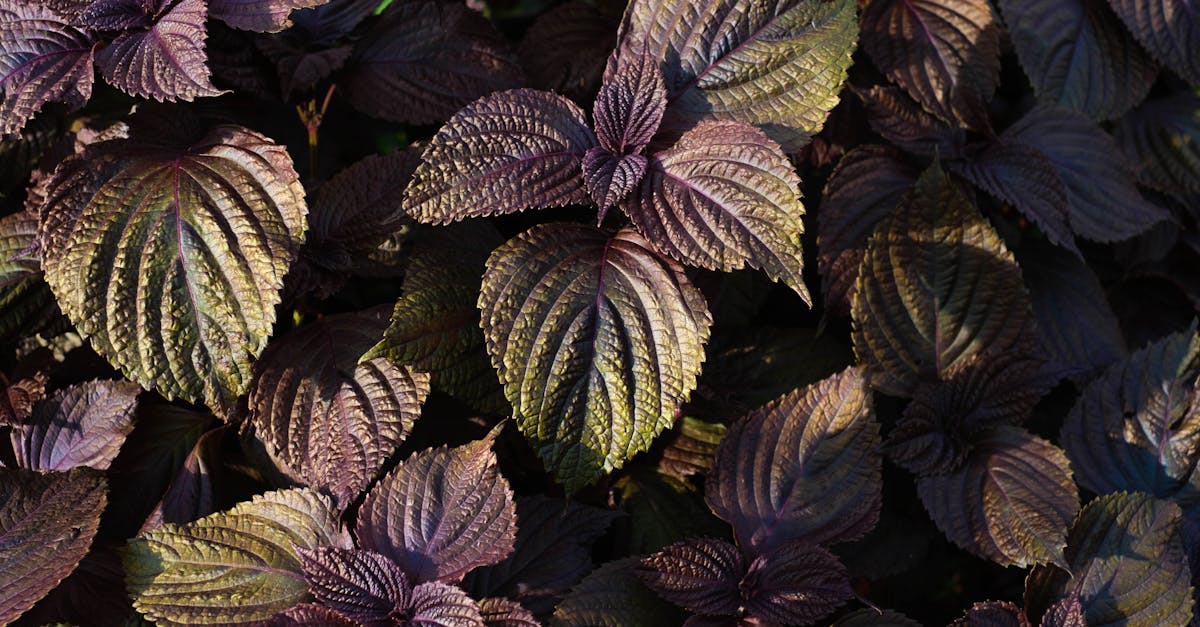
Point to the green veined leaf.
(1169, 29)
(47, 523)
(936, 288)
(25, 300)
(597, 340)
(171, 260)
(1129, 566)
(234, 567)
(778, 68)
(325, 418)
(1011, 502)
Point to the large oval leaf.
(725, 196)
(441, 513)
(936, 287)
(47, 522)
(83, 425)
(507, 152)
(171, 259)
(233, 567)
(946, 53)
(597, 341)
(1011, 502)
(1128, 562)
(803, 467)
(323, 417)
(43, 58)
(1169, 29)
(1077, 55)
(777, 67)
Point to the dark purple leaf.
(700, 575)
(865, 187)
(612, 596)
(689, 448)
(795, 584)
(1011, 502)
(630, 106)
(805, 466)
(724, 197)
(264, 16)
(553, 551)
(191, 494)
(115, 15)
(904, 123)
(1137, 426)
(300, 70)
(946, 53)
(435, 604)
(1077, 55)
(43, 58)
(1023, 177)
(19, 398)
(507, 152)
(1169, 29)
(325, 418)
(361, 585)
(441, 513)
(993, 614)
(312, 49)
(165, 61)
(1067, 612)
(93, 594)
(876, 618)
(565, 48)
(83, 425)
(425, 59)
(47, 522)
(610, 178)
(501, 612)
(310, 615)
(1162, 139)
(1129, 565)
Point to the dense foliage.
(454, 313)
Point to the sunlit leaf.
(264, 16)
(43, 58)
(83, 425)
(501, 612)
(361, 585)
(165, 60)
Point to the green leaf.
(597, 341)
(25, 300)
(779, 69)
(1128, 563)
(612, 596)
(936, 287)
(47, 523)
(233, 567)
(171, 259)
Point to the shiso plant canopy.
(600, 313)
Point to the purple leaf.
(565, 48)
(361, 585)
(946, 53)
(507, 152)
(552, 552)
(875, 618)
(47, 522)
(435, 604)
(613, 595)
(1067, 612)
(312, 49)
(19, 398)
(865, 187)
(264, 16)
(310, 615)
(115, 15)
(992, 614)
(795, 584)
(1169, 29)
(903, 122)
(805, 466)
(43, 58)
(630, 107)
(165, 61)
(700, 575)
(441, 513)
(425, 59)
(83, 425)
(1077, 55)
(501, 612)
(610, 178)
(190, 496)
(325, 418)
(724, 197)
(1162, 139)
(1011, 502)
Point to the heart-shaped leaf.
(43, 58)
(83, 425)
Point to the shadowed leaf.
(700, 575)
(794, 584)
(1162, 139)
(360, 585)
(310, 615)
(612, 596)
(874, 618)
(993, 614)
(904, 123)
(565, 48)
(25, 300)
(83, 425)
(264, 16)
(1169, 29)
(193, 491)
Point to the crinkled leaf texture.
(936, 288)
(777, 67)
(325, 418)
(993, 614)
(1103, 204)
(83, 425)
(597, 340)
(795, 583)
(945, 53)
(47, 523)
(1169, 29)
(362, 585)
(435, 604)
(264, 16)
(502, 612)
(723, 197)
(1077, 55)
(424, 59)
(700, 575)
(310, 615)
(805, 466)
(1137, 426)
(875, 618)
(165, 60)
(507, 152)
(25, 300)
(17, 401)
(1128, 561)
(1011, 502)
(171, 260)
(441, 513)
(612, 596)
(43, 58)
(902, 121)
(237, 566)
